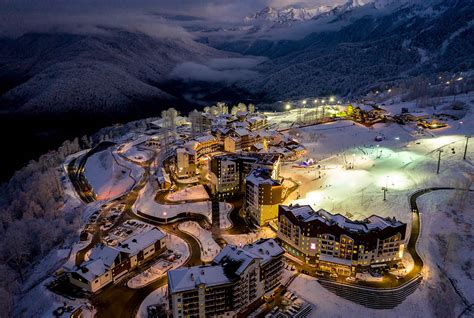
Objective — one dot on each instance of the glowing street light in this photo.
(287, 106)
(304, 102)
(315, 101)
(331, 99)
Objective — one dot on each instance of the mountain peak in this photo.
(287, 14)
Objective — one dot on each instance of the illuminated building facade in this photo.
(334, 243)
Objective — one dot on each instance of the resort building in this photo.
(106, 263)
(235, 279)
(228, 172)
(334, 243)
(263, 194)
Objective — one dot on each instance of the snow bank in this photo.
(209, 247)
(192, 193)
(158, 296)
(242, 239)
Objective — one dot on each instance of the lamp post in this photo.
(385, 189)
(439, 160)
(465, 148)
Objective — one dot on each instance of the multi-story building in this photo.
(240, 140)
(263, 194)
(185, 162)
(334, 243)
(204, 145)
(106, 263)
(257, 122)
(235, 279)
(189, 154)
(228, 172)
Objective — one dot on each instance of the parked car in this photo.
(333, 275)
(351, 279)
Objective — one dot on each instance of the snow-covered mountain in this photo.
(375, 42)
(59, 72)
(286, 15)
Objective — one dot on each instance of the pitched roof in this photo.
(183, 279)
(105, 253)
(138, 242)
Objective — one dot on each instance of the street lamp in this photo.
(465, 148)
(331, 99)
(166, 219)
(287, 106)
(439, 160)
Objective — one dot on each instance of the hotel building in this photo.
(334, 243)
(235, 279)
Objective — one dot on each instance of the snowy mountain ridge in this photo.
(286, 15)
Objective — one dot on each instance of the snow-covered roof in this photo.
(378, 222)
(256, 118)
(105, 253)
(226, 266)
(242, 132)
(184, 279)
(265, 249)
(261, 176)
(138, 242)
(92, 269)
(232, 256)
(240, 124)
(305, 213)
(205, 138)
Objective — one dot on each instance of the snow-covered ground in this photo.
(401, 162)
(110, 175)
(191, 193)
(242, 239)
(132, 150)
(158, 296)
(40, 302)
(224, 218)
(146, 204)
(209, 247)
(138, 155)
(161, 267)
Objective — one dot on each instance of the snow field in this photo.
(110, 175)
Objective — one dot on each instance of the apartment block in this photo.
(237, 277)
